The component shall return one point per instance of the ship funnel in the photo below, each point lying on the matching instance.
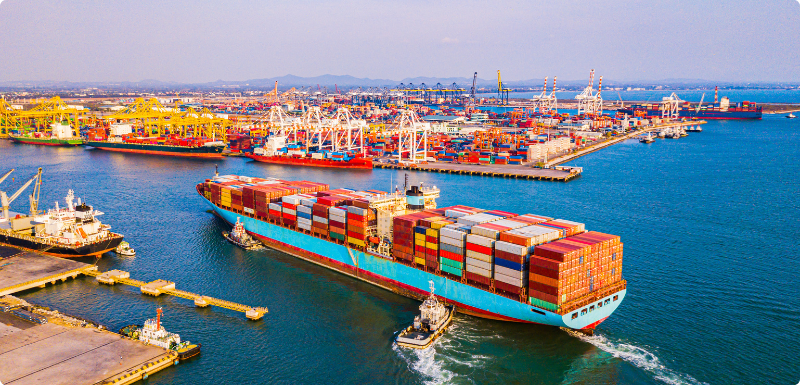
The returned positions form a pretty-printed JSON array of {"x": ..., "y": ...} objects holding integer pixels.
[{"x": 415, "y": 199}]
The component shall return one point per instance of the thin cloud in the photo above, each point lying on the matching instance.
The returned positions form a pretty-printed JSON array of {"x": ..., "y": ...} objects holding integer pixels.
[{"x": 448, "y": 40}]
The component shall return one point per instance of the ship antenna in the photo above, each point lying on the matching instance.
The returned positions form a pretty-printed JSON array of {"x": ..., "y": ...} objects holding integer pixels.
[
  {"x": 431, "y": 284},
  {"x": 216, "y": 170}
]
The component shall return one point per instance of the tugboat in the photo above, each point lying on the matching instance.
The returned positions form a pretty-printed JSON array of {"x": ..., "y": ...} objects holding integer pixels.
[
  {"x": 428, "y": 326},
  {"x": 791, "y": 116},
  {"x": 73, "y": 231},
  {"x": 239, "y": 237},
  {"x": 694, "y": 129},
  {"x": 647, "y": 138},
  {"x": 154, "y": 334},
  {"x": 124, "y": 249}
]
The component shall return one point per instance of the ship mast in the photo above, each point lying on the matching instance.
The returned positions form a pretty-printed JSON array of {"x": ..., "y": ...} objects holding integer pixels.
[{"x": 34, "y": 197}]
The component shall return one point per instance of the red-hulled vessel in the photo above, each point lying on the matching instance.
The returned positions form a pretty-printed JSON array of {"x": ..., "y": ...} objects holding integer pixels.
[{"x": 357, "y": 162}]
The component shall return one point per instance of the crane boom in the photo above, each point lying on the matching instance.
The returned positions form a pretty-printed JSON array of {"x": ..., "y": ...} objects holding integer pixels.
[
  {"x": 696, "y": 111},
  {"x": 6, "y": 175},
  {"x": 6, "y": 200}
]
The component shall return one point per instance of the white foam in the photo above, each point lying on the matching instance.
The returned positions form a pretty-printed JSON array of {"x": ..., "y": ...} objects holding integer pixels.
[{"x": 640, "y": 358}]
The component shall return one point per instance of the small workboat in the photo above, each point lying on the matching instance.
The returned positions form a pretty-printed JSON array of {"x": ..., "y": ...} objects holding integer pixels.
[
  {"x": 125, "y": 250},
  {"x": 428, "y": 326},
  {"x": 153, "y": 333},
  {"x": 239, "y": 237},
  {"x": 791, "y": 116},
  {"x": 647, "y": 138}
]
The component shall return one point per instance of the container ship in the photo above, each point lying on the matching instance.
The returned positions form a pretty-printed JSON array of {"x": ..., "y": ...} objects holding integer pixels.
[
  {"x": 121, "y": 139},
  {"x": 488, "y": 263},
  {"x": 276, "y": 151},
  {"x": 68, "y": 232},
  {"x": 59, "y": 135},
  {"x": 718, "y": 110}
]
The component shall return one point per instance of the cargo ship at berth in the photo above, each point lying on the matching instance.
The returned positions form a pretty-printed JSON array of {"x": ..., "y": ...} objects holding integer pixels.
[
  {"x": 276, "y": 151},
  {"x": 59, "y": 135},
  {"x": 492, "y": 264},
  {"x": 121, "y": 139},
  {"x": 722, "y": 109},
  {"x": 68, "y": 232}
]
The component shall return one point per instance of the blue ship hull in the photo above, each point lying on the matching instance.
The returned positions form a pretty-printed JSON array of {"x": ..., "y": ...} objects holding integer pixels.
[{"x": 384, "y": 272}]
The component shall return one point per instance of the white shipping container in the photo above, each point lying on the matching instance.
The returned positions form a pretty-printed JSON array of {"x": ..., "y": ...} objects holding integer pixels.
[
  {"x": 479, "y": 240},
  {"x": 511, "y": 248},
  {"x": 479, "y": 263},
  {"x": 511, "y": 273},
  {"x": 479, "y": 271},
  {"x": 291, "y": 199},
  {"x": 249, "y": 210},
  {"x": 487, "y": 232},
  {"x": 308, "y": 202},
  {"x": 477, "y": 255},
  {"x": 304, "y": 209},
  {"x": 320, "y": 219},
  {"x": 304, "y": 221},
  {"x": 452, "y": 242},
  {"x": 289, "y": 211},
  {"x": 275, "y": 206},
  {"x": 454, "y": 234},
  {"x": 510, "y": 223},
  {"x": 510, "y": 280}
]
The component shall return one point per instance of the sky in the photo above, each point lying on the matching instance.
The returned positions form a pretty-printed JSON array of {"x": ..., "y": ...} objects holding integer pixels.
[{"x": 202, "y": 40}]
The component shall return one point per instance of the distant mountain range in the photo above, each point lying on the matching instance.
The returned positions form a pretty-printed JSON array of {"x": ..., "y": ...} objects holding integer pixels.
[{"x": 348, "y": 82}]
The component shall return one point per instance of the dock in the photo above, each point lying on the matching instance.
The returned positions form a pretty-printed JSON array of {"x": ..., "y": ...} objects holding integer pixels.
[
  {"x": 500, "y": 171},
  {"x": 27, "y": 270},
  {"x": 604, "y": 144},
  {"x": 60, "y": 351}
]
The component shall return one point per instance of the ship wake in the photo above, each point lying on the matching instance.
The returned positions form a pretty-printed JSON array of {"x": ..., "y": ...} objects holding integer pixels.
[
  {"x": 641, "y": 358},
  {"x": 450, "y": 360}
]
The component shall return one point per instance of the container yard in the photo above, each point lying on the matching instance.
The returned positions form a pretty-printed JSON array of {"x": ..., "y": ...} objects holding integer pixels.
[
  {"x": 491, "y": 263},
  {"x": 406, "y": 127}
]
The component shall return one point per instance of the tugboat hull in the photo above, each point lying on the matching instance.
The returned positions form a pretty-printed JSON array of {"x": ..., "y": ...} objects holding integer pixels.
[{"x": 410, "y": 338}]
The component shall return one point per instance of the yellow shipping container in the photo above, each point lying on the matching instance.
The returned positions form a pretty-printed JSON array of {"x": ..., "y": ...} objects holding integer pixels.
[
  {"x": 420, "y": 261},
  {"x": 419, "y": 242},
  {"x": 432, "y": 246},
  {"x": 355, "y": 241},
  {"x": 432, "y": 232},
  {"x": 419, "y": 237}
]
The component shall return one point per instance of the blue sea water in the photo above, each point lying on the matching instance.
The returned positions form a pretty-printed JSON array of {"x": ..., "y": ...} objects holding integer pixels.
[{"x": 709, "y": 224}]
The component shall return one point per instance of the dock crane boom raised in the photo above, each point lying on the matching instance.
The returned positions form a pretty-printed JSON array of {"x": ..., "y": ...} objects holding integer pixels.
[
  {"x": 6, "y": 175},
  {"x": 6, "y": 200}
]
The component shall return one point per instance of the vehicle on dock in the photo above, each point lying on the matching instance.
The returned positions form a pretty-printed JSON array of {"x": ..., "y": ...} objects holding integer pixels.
[
  {"x": 153, "y": 333},
  {"x": 60, "y": 135},
  {"x": 124, "y": 249},
  {"x": 73, "y": 231},
  {"x": 429, "y": 325},
  {"x": 239, "y": 237}
]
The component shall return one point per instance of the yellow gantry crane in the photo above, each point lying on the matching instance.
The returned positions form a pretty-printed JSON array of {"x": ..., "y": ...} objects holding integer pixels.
[
  {"x": 39, "y": 118},
  {"x": 158, "y": 120}
]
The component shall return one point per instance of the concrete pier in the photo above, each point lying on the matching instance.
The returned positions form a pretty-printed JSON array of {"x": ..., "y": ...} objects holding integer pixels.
[
  {"x": 56, "y": 354},
  {"x": 26, "y": 270},
  {"x": 500, "y": 171}
]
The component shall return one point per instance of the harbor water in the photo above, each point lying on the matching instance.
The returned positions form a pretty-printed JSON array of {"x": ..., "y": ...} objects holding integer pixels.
[{"x": 708, "y": 222}]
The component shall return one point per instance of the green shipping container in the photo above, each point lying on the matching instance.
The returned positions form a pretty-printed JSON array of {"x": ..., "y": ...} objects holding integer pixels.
[
  {"x": 338, "y": 236},
  {"x": 451, "y": 263},
  {"x": 543, "y": 304},
  {"x": 450, "y": 269}
]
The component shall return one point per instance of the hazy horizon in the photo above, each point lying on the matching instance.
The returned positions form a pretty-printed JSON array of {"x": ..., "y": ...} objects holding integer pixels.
[{"x": 204, "y": 41}]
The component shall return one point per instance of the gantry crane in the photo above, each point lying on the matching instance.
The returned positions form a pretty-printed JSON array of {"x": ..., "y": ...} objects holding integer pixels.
[{"x": 5, "y": 200}]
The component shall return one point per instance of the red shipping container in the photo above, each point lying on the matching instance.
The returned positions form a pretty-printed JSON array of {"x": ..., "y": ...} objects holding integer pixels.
[
  {"x": 479, "y": 249},
  {"x": 451, "y": 256},
  {"x": 476, "y": 278},
  {"x": 507, "y": 287},
  {"x": 544, "y": 297}
]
